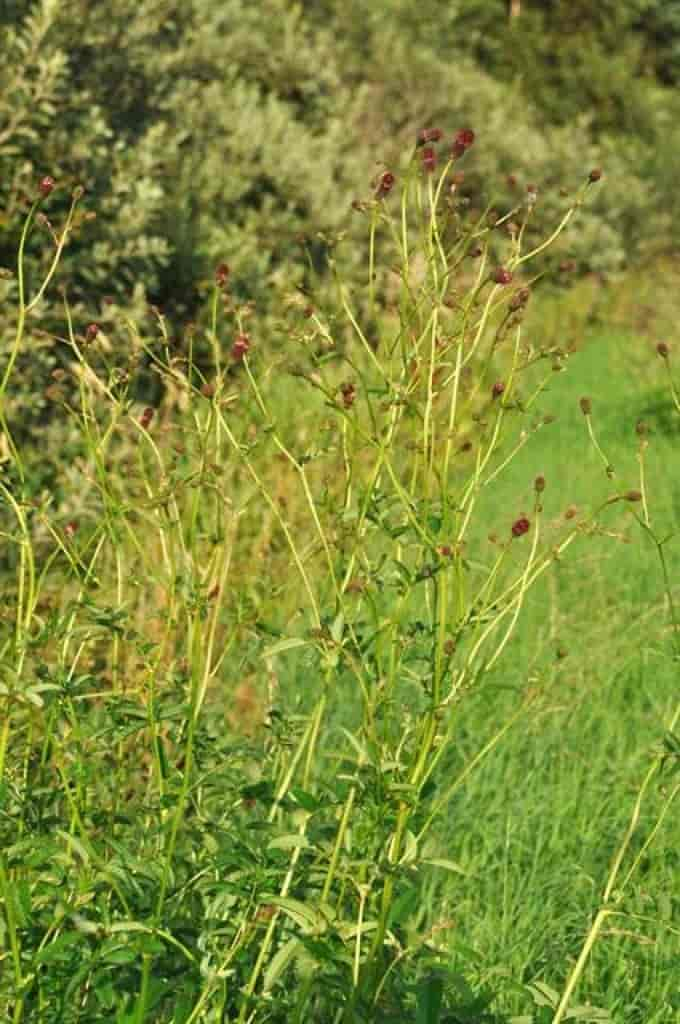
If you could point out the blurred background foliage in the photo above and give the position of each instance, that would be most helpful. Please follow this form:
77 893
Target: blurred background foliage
210 130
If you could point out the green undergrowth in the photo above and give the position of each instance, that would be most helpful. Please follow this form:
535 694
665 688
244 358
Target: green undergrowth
557 792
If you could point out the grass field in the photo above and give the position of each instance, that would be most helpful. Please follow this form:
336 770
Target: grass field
538 824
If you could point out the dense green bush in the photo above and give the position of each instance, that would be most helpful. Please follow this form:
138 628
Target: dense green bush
205 131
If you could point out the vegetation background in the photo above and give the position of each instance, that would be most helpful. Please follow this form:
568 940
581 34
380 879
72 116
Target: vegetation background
245 132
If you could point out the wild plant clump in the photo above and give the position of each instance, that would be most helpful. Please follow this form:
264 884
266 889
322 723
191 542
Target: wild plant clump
243 620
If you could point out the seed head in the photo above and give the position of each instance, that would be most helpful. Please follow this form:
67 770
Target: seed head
595 174
46 185
502 276
498 389
240 347
429 159
146 417
520 526
633 496
91 332
71 528
663 349
519 299
348 393
539 484
222 272
463 140
385 183
586 406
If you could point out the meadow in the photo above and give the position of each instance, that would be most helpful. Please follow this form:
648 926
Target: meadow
340 664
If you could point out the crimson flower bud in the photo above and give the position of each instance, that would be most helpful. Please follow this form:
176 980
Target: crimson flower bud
46 185
520 526
385 183
240 347
502 276
222 274
429 159
146 417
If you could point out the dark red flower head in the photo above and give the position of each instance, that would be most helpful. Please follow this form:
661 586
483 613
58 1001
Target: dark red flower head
463 140
520 526
429 159
498 389
595 174
663 349
222 272
146 417
385 183
502 276
46 185
91 331
240 347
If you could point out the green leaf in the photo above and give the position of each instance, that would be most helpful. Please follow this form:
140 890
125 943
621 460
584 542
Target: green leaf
588 1013
293 841
289 644
303 916
307 801
280 962
410 854
429 996
61 948
338 627
447 865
